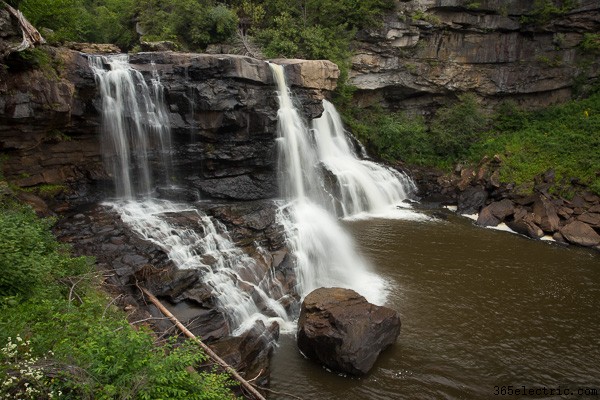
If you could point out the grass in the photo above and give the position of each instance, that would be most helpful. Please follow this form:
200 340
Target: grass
564 138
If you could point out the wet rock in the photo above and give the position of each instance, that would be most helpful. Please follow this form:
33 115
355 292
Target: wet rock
471 200
526 226
340 329
580 233
495 213
487 218
545 215
251 351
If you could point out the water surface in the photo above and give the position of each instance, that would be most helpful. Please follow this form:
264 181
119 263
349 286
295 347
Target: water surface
479 308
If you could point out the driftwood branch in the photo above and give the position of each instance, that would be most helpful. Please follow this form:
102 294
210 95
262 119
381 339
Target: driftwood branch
204 347
31 36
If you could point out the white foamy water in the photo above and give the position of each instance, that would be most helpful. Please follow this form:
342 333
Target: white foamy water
361 186
325 252
134 122
244 292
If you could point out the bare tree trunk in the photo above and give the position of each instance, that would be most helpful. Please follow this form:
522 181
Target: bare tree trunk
245 384
31 36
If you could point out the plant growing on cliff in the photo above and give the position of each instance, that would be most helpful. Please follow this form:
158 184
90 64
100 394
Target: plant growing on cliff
544 10
590 42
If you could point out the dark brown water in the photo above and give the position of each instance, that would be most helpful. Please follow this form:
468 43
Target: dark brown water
480 309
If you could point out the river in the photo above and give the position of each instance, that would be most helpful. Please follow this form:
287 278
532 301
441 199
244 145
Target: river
481 310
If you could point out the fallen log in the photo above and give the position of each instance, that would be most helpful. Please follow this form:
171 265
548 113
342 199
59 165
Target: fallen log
245 384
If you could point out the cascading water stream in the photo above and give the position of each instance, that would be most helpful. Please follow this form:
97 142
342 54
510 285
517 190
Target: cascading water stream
325 254
135 122
232 275
360 186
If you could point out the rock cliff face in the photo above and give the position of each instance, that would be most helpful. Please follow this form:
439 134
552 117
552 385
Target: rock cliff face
432 50
223 115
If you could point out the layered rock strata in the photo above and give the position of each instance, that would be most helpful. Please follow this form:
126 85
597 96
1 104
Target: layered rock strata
429 51
223 116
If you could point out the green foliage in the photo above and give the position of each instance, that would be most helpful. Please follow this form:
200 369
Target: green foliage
563 138
97 21
544 10
31 383
29 255
590 42
32 58
455 128
312 29
51 300
393 136
194 24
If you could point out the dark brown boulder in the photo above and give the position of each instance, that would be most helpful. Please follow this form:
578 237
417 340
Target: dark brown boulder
590 218
340 329
251 351
580 233
471 200
495 213
525 226
545 215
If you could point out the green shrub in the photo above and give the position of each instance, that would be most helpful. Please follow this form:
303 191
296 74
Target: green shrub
456 127
194 24
29 255
563 138
392 135
590 42
74 345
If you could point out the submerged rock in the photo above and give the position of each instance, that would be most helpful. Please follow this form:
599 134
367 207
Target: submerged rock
342 330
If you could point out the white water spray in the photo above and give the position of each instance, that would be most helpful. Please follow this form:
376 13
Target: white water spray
243 293
325 254
360 186
134 122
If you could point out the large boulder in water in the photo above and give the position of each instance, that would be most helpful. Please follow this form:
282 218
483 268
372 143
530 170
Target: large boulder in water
342 330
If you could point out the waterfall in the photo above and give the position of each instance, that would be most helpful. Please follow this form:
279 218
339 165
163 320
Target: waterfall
360 186
242 293
325 253
134 122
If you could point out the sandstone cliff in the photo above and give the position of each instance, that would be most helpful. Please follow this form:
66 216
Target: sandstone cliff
223 115
428 51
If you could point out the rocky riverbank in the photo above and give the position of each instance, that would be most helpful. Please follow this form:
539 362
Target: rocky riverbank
536 210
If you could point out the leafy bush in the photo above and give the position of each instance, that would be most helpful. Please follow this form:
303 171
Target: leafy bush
29 254
74 346
455 128
393 135
563 138
194 24
98 21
